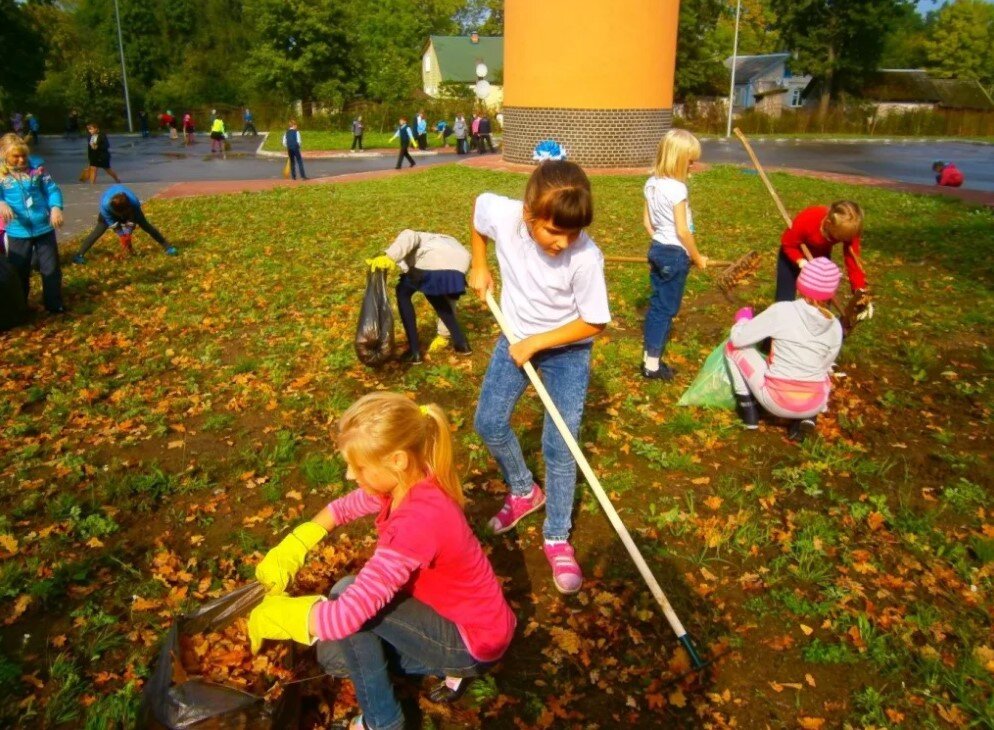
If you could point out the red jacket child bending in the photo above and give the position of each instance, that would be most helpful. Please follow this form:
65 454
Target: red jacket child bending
947 174
819 228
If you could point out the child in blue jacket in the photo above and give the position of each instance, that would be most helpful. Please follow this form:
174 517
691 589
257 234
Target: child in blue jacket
31 206
121 210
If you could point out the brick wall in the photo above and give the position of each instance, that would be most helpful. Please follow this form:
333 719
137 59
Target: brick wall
592 137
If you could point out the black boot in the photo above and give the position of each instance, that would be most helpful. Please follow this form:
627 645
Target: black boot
798 430
748 411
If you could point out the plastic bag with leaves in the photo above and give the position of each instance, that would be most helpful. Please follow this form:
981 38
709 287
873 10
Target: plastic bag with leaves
374 336
171 700
712 388
13 309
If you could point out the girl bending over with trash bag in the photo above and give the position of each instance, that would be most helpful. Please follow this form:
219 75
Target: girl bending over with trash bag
427 602
794 381
555 299
435 265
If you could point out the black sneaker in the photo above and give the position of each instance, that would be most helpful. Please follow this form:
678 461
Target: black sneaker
799 430
464 350
444 694
748 411
665 372
411 357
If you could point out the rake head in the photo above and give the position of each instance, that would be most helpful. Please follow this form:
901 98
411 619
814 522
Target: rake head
738 271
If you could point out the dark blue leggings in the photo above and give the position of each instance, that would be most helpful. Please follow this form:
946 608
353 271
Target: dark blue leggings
442 306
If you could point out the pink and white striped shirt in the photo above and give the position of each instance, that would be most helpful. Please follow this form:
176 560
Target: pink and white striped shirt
425 549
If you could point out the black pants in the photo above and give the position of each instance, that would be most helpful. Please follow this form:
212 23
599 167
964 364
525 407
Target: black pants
404 153
460 145
45 250
294 156
249 127
485 138
442 306
357 140
101 227
787 273
423 141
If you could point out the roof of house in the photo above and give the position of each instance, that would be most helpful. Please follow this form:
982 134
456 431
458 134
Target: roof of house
915 85
458 55
749 67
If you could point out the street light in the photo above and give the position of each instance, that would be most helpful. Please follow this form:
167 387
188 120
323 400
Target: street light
124 71
735 53
482 85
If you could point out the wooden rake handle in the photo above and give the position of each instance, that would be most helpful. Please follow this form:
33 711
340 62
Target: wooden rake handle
595 485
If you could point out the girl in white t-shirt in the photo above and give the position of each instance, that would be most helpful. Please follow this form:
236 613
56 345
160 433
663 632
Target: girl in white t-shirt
554 297
669 222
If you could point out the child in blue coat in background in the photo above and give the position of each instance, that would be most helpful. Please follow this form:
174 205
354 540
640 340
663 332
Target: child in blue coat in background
121 210
31 206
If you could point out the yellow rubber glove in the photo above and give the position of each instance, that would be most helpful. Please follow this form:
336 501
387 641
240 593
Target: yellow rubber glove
438 344
381 263
281 617
283 561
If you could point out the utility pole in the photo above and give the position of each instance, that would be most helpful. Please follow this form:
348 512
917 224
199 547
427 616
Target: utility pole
735 53
124 71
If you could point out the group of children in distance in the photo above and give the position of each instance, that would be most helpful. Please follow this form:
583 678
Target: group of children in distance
428 601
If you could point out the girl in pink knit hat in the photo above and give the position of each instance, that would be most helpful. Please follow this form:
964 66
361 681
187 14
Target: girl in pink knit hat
793 381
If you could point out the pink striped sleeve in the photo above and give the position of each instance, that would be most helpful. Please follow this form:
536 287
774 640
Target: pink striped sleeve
379 581
354 505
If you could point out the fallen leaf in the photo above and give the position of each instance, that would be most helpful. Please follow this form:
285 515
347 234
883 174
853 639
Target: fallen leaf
9 545
294 494
875 520
811 723
566 639
176 444
701 480
810 680
806 629
677 698
20 606
94 542
713 502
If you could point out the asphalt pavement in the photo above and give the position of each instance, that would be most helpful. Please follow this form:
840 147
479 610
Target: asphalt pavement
150 165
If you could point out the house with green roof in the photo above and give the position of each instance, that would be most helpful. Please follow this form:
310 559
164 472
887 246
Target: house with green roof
456 60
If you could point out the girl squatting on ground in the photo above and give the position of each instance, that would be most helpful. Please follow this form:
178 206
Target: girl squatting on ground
554 297
435 265
427 602
670 224
31 207
794 381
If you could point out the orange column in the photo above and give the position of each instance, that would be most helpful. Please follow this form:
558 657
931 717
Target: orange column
607 63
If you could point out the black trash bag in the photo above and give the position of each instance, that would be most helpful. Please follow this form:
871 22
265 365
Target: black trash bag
13 308
374 336
196 702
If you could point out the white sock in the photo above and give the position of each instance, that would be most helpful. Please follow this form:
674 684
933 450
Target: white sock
556 542
651 363
453 683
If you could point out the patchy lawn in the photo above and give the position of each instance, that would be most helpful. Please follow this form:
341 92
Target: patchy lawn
161 437
343 140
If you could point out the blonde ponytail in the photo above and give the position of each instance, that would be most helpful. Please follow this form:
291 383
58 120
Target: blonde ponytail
379 424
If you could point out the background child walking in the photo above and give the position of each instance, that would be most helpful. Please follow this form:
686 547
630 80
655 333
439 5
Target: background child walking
435 265
406 140
669 222
427 602
818 228
806 338
291 141
554 297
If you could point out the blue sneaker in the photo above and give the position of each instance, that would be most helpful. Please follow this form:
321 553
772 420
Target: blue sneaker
78 259
171 251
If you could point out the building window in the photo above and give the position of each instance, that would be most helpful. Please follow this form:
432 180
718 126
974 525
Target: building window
795 97
427 63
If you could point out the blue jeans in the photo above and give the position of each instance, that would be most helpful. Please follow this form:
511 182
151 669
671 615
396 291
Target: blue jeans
668 268
565 373
787 273
406 637
296 161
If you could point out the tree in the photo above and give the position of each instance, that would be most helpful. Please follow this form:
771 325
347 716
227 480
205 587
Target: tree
23 51
960 43
699 55
757 29
486 17
905 43
839 42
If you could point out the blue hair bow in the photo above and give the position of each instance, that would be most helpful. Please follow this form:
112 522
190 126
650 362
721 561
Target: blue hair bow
548 150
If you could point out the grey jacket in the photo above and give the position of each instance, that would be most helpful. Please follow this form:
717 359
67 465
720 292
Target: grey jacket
460 128
428 252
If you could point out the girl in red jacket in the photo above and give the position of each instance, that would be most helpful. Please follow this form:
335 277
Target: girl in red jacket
819 228
427 602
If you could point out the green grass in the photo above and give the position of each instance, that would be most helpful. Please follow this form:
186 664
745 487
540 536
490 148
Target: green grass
186 401
342 141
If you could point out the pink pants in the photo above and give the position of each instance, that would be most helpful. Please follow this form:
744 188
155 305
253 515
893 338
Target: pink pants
784 398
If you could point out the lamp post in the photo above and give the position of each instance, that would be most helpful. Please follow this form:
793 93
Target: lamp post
735 53
482 87
124 71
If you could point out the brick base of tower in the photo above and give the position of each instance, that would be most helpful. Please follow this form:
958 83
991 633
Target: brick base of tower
592 137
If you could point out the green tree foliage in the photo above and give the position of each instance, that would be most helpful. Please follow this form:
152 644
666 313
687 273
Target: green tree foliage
23 50
961 44
905 43
838 42
757 29
486 17
699 53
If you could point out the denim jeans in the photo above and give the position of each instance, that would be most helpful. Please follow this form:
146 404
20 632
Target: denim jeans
21 252
296 162
787 273
668 268
565 373
406 637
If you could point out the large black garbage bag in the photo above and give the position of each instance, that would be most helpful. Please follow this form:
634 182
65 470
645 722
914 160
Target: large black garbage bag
13 308
374 336
197 702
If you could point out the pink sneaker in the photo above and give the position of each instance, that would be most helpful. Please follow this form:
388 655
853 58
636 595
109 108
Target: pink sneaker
515 508
566 573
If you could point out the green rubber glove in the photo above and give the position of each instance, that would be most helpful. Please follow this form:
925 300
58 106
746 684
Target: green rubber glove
283 561
381 263
281 617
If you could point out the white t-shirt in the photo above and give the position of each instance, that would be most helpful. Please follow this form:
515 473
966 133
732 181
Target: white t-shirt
539 292
662 194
